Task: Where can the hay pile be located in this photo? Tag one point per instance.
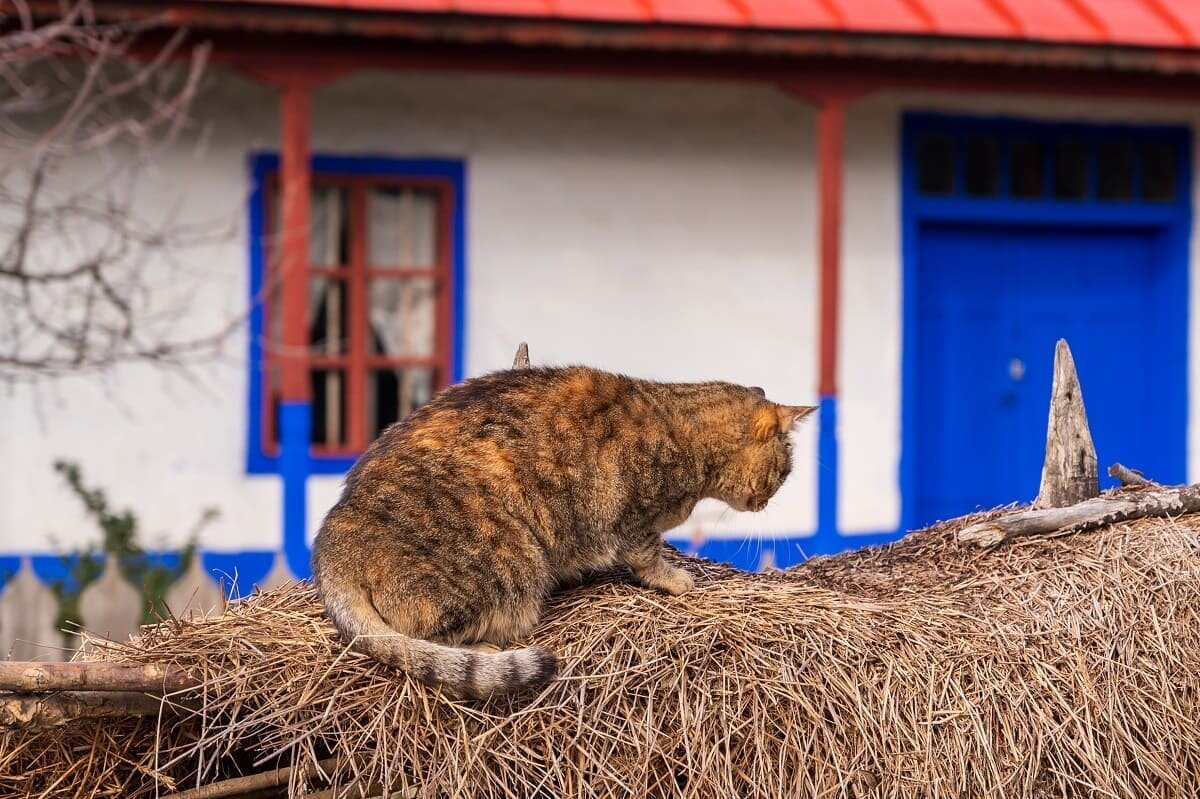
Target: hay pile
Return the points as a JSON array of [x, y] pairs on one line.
[[1055, 667]]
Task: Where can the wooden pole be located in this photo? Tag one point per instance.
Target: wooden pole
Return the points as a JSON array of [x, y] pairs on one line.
[[33, 677], [1069, 474], [53, 710]]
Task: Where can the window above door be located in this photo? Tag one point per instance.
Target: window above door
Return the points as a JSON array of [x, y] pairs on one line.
[[981, 159]]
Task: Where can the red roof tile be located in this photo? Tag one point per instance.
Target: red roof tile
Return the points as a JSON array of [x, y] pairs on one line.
[[1156, 23]]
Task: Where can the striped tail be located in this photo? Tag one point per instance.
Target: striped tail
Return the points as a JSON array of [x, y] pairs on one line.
[[463, 672]]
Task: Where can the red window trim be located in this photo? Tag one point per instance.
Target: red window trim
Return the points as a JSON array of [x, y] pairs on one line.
[[356, 361]]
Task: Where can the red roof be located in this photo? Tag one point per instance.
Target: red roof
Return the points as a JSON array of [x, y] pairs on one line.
[[1153, 23]]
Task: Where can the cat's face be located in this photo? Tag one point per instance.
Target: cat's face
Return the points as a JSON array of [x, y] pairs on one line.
[[759, 466]]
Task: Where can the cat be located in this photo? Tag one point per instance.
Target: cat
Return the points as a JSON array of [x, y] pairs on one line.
[[458, 521]]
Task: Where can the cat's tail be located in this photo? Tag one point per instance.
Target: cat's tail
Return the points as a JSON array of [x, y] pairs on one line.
[[464, 672]]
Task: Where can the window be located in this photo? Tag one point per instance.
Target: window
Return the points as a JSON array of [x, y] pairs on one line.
[[935, 164], [1158, 172], [983, 166], [980, 160], [1026, 160], [1115, 168], [381, 273], [1070, 169]]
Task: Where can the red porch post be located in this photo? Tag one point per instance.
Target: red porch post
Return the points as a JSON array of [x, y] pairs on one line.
[[292, 353], [295, 408], [831, 130], [295, 110], [831, 102]]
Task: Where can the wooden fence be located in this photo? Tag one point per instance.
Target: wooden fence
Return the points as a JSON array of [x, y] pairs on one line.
[[110, 606]]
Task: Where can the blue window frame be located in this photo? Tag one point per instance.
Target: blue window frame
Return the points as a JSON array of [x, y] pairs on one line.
[[264, 167]]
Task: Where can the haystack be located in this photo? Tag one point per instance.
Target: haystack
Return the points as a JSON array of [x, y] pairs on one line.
[[1049, 652], [929, 668]]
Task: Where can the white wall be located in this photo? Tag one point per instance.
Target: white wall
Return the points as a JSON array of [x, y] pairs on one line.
[[661, 229], [871, 319]]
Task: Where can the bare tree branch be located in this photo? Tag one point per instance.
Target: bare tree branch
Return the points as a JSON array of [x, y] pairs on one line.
[[93, 275]]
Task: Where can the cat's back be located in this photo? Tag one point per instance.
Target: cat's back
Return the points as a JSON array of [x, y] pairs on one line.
[[495, 423]]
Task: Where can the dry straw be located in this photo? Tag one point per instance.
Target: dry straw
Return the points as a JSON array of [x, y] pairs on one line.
[[1065, 667]]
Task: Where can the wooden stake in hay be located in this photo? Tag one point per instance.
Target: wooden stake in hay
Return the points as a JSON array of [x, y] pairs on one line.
[[1070, 473], [521, 359]]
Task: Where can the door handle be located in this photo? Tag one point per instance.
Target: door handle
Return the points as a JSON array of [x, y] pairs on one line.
[[1016, 370]]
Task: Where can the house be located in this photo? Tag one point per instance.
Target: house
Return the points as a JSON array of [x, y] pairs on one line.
[[892, 208]]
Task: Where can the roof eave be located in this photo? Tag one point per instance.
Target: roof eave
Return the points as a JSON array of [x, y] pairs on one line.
[[522, 32]]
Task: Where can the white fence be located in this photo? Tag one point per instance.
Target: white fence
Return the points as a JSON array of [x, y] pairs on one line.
[[110, 606]]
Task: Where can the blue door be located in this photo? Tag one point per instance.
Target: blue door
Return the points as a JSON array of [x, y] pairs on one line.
[[998, 300], [994, 283]]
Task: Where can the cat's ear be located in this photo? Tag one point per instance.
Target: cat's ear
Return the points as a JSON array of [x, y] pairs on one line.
[[788, 415], [770, 420]]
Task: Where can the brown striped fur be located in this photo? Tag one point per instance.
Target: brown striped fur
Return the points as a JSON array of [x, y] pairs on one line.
[[459, 520]]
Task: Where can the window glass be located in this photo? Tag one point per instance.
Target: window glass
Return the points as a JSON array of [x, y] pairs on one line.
[[328, 225], [935, 164], [327, 309], [982, 166], [1158, 172], [402, 316], [1026, 168], [1114, 170], [329, 408], [402, 227], [1070, 169], [393, 394]]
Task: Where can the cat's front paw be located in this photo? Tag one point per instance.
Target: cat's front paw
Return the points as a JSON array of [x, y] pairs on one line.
[[675, 582]]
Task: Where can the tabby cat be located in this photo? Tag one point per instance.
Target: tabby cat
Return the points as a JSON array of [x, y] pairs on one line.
[[458, 521]]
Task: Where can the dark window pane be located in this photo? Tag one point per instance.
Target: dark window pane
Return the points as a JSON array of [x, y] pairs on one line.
[[1027, 161], [328, 225], [393, 394], [327, 309], [1114, 171], [329, 408], [935, 165], [1070, 170], [1158, 172], [982, 167]]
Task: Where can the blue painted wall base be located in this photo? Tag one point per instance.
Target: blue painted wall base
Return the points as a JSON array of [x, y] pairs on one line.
[[827, 539], [295, 424], [239, 572]]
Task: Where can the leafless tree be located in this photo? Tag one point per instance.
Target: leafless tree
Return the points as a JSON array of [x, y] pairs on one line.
[[87, 105]]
